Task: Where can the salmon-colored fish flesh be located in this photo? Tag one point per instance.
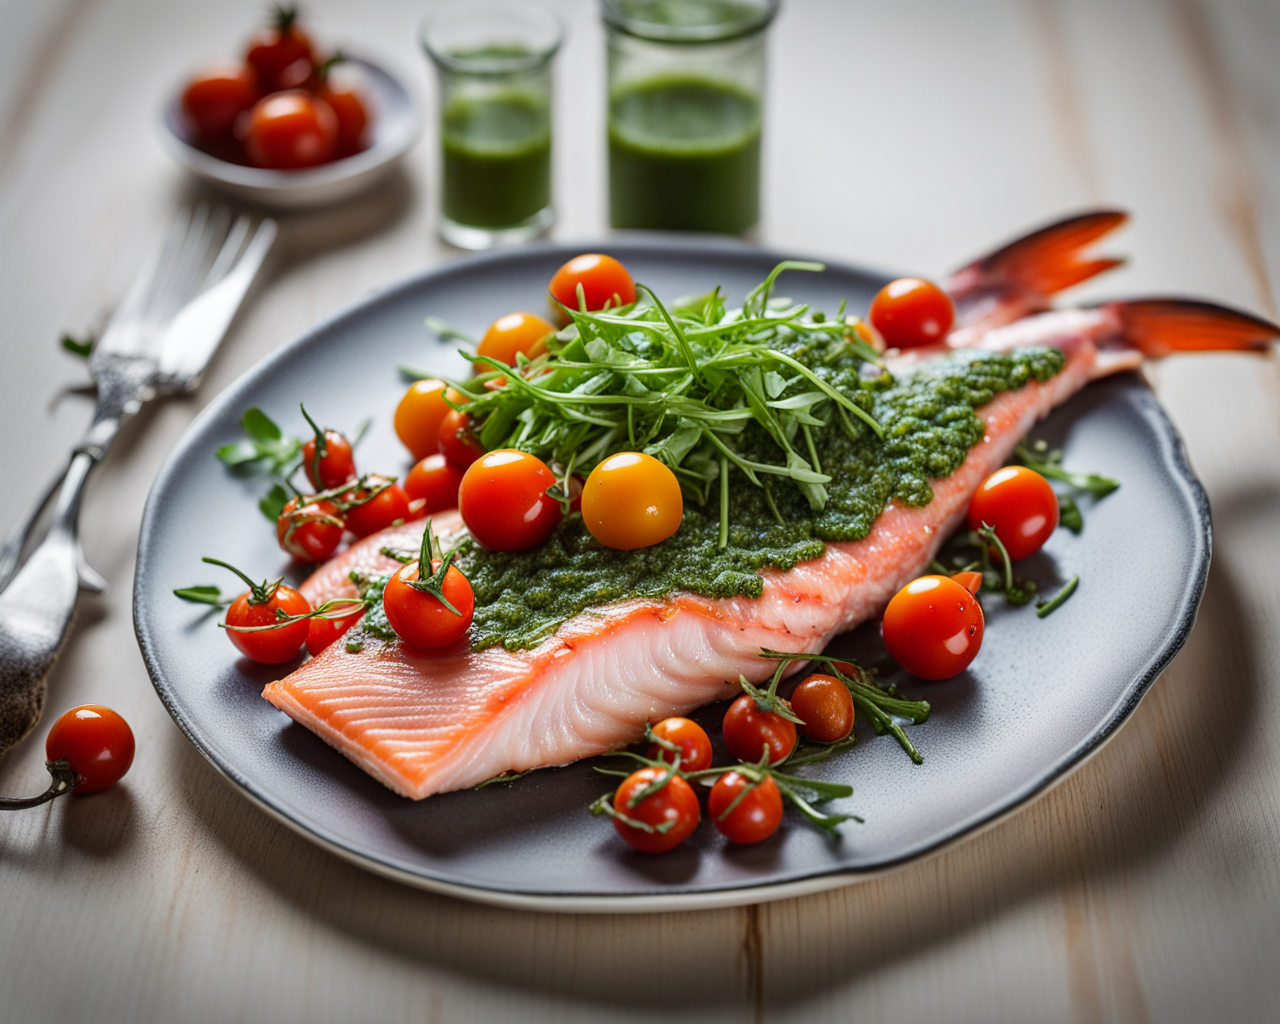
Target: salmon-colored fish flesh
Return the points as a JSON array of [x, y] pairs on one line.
[[425, 722]]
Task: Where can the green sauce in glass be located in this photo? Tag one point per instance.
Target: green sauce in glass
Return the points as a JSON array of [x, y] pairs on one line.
[[684, 154], [497, 159]]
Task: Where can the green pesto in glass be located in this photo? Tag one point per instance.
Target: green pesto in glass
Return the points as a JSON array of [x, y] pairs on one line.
[[930, 426], [684, 154], [497, 159]]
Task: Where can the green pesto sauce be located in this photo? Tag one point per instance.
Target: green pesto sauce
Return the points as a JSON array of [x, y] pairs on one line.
[[930, 425]]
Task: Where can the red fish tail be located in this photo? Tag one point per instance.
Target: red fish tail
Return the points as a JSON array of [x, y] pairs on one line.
[[1157, 327]]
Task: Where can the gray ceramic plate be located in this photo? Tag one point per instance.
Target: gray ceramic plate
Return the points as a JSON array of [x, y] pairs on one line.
[[1042, 696]]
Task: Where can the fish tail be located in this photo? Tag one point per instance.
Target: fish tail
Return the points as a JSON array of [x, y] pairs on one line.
[[1157, 327]]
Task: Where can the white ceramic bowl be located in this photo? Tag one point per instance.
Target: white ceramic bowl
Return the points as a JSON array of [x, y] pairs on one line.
[[396, 126]]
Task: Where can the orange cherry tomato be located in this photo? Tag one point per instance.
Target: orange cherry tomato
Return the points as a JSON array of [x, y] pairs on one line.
[[503, 500], [674, 803], [826, 706], [689, 736], [604, 281], [458, 442], [747, 729], [933, 627], [386, 508], [1020, 506], [420, 413], [96, 741], [310, 532], [757, 815], [420, 618], [290, 130], [216, 96], [280, 47], [337, 465], [911, 312], [283, 640], [515, 333], [435, 482], [324, 630], [631, 500]]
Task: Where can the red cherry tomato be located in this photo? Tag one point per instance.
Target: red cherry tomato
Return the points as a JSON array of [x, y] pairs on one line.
[[1020, 506], [420, 618], [311, 532], [325, 631], [96, 742], [674, 803], [747, 729], [435, 481], [289, 130], [503, 500], [603, 279], [933, 627], [689, 736], [275, 49], [910, 312], [826, 706], [458, 443], [337, 464], [386, 508], [757, 815], [632, 500], [217, 96], [283, 640], [352, 116]]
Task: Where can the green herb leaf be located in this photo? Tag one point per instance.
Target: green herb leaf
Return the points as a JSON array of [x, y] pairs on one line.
[[272, 505], [200, 595], [81, 348], [1069, 513]]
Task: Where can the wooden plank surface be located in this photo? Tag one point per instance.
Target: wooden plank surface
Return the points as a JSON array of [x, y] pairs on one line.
[[907, 135]]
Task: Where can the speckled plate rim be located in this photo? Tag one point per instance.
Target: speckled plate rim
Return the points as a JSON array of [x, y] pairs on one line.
[[1173, 458]]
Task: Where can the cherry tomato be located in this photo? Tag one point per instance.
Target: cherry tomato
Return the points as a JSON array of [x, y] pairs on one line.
[[826, 706], [515, 333], [933, 627], [96, 742], [352, 116], [503, 500], [311, 532], [910, 312], [217, 96], [458, 443], [675, 803], [289, 130], [695, 747], [275, 49], [337, 464], [757, 815], [420, 618], [971, 581], [419, 414], [631, 500], [435, 481], [1020, 506], [386, 508], [324, 630], [747, 729], [603, 279], [269, 646]]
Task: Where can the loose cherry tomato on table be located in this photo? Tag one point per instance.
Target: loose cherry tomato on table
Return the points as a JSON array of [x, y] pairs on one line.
[[504, 502], [325, 630], [96, 742], [458, 442], [757, 815], [310, 530], [933, 627], [427, 604], [675, 805], [217, 96], [289, 130], [515, 333], [747, 730], [387, 507], [604, 281], [419, 414], [257, 621], [434, 481], [1020, 506], [689, 736], [826, 706], [631, 500], [911, 312], [279, 48], [335, 463]]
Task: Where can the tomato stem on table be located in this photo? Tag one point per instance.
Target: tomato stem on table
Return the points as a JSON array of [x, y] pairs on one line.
[[1044, 608], [1017, 591], [63, 780]]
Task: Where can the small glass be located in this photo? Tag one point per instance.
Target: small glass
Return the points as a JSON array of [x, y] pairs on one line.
[[686, 80], [494, 63]]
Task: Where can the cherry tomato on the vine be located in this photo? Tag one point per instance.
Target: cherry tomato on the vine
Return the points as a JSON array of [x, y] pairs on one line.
[[216, 96], [337, 464], [288, 130], [503, 500], [757, 815], [419, 414], [826, 706], [435, 481], [96, 742], [420, 618], [631, 500], [310, 532], [674, 803], [283, 640], [386, 508], [689, 736], [911, 312], [515, 333], [933, 627], [275, 49], [603, 279], [747, 730], [458, 443], [325, 630], [1020, 506]]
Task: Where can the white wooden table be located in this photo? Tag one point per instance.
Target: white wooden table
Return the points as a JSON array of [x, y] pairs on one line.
[[1145, 888]]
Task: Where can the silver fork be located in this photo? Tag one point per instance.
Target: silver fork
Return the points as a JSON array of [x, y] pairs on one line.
[[159, 342]]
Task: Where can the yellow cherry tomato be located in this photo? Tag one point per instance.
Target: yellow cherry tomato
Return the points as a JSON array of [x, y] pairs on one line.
[[515, 332], [631, 500], [418, 416]]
